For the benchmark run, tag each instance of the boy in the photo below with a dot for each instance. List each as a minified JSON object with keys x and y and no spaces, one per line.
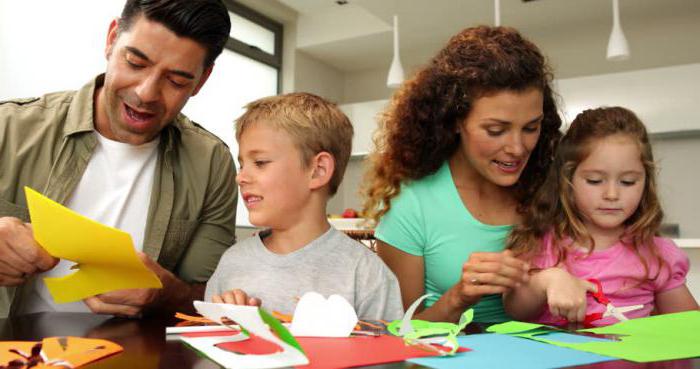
{"x":293,"y":153}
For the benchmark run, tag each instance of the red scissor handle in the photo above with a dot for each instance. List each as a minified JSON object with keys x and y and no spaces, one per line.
{"x":598,"y":295}
{"x":601,"y":298}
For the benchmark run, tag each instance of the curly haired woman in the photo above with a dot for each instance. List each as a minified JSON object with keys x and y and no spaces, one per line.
{"x":460,"y":152}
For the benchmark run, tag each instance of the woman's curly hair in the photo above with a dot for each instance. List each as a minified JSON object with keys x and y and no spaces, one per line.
{"x":417,"y":133}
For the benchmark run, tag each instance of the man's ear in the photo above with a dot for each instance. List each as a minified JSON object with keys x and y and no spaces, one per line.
{"x":205,"y":75}
{"x":323,"y":167}
{"x":112,"y":36}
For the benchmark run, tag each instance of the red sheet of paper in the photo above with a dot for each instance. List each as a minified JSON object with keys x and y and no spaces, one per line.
{"x":334,"y":352}
{"x":326,"y":353}
{"x":357,"y":351}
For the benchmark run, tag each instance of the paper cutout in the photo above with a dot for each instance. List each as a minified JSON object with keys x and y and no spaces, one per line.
{"x":532,"y":330}
{"x":254,"y":322}
{"x":316,"y":316}
{"x":55,"y":352}
{"x":406,"y":326}
{"x":414,"y":330}
{"x":105,"y":256}
{"x":655,"y":338}
{"x":496,"y":351}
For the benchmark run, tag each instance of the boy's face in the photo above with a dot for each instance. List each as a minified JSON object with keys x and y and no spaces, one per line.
{"x":274,"y":182}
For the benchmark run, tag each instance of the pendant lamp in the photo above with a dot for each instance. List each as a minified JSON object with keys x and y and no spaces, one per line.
{"x":395,"y":77}
{"x":618,"y":49}
{"x":497,"y":13}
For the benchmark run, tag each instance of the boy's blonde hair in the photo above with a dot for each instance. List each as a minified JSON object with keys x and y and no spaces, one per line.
{"x":315,"y":125}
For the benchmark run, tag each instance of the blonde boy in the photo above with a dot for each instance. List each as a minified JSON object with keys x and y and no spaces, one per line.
{"x":293,"y":153}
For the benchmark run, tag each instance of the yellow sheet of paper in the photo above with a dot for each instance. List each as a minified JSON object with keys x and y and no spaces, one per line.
{"x":105,"y":256}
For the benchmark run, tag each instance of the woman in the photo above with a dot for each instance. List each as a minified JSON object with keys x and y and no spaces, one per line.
{"x":460,"y":151}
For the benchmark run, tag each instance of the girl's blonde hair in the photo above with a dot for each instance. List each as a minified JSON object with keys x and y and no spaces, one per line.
{"x":554,"y":209}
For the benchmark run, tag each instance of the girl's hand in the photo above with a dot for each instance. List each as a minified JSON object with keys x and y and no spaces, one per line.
{"x":487,"y":273}
{"x":566,"y":294}
{"x":236,"y":297}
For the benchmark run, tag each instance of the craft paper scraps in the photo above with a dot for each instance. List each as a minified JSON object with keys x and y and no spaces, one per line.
{"x":496,"y":351}
{"x":105,"y":257}
{"x":56,"y":352}
{"x":279,"y":349}
{"x":655,"y":338}
{"x":421,"y":332}
{"x":316,"y":316}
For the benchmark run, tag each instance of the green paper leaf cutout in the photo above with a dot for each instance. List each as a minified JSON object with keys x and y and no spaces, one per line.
{"x":280,"y":330}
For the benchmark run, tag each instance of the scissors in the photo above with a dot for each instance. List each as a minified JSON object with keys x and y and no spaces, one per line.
{"x":610,"y":309}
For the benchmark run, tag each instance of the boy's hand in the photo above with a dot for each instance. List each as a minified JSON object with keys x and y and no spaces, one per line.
{"x":236,"y":297}
{"x":566,"y":294}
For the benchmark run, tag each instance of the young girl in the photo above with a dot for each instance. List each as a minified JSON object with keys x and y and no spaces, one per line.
{"x":595,"y":219}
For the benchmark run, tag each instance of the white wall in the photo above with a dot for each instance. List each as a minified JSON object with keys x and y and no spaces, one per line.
{"x":311,"y":75}
{"x":48,"y":46}
{"x":679,"y":181}
{"x":665,"y":99}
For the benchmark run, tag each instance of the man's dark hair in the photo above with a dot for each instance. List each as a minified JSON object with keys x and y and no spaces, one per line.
{"x":205,"y":21}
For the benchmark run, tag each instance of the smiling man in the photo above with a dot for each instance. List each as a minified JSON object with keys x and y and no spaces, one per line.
{"x":119,"y":151}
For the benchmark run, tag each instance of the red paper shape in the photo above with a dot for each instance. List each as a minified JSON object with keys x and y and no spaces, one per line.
{"x":254,"y":345}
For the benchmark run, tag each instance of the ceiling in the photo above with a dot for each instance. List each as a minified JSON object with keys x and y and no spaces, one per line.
{"x":572,"y":33}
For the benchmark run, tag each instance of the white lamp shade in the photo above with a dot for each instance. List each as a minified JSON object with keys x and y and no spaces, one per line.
{"x":395,"y":77}
{"x":618,"y":49}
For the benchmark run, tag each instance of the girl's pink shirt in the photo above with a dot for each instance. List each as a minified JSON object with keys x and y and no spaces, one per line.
{"x":619,"y":271}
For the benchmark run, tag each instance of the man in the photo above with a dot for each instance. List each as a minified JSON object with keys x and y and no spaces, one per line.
{"x":119,"y":151}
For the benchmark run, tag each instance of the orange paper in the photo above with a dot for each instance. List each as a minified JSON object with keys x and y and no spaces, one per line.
{"x":57,"y":351}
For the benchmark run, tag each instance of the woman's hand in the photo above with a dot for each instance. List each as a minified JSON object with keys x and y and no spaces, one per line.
{"x":566,"y":294}
{"x":487,"y":273}
{"x":236,"y":297}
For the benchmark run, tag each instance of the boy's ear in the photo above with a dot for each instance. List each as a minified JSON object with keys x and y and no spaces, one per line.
{"x":323,"y":166}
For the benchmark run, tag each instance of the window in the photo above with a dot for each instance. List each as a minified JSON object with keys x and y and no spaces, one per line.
{"x":248,"y":69}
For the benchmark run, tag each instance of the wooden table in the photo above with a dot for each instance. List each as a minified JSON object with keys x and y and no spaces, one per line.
{"x":146,"y":347}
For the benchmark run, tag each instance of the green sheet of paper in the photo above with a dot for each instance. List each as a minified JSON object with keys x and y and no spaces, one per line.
{"x":105,"y":256}
{"x":656,"y":338}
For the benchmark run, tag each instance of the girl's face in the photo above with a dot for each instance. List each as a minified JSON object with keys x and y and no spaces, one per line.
{"x":499,"y":133}
{"x":609,"y":184}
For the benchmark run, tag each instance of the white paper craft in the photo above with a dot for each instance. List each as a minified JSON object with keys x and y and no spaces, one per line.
{"x":249,"y":318}
{"x":315,"y":316}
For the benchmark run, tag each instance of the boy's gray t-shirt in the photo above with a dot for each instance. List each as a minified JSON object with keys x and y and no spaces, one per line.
{"x":331,"y":264}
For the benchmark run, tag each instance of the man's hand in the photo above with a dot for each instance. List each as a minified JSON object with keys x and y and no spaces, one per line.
{"x":134,"y":302}
{"x":20,"y":255}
